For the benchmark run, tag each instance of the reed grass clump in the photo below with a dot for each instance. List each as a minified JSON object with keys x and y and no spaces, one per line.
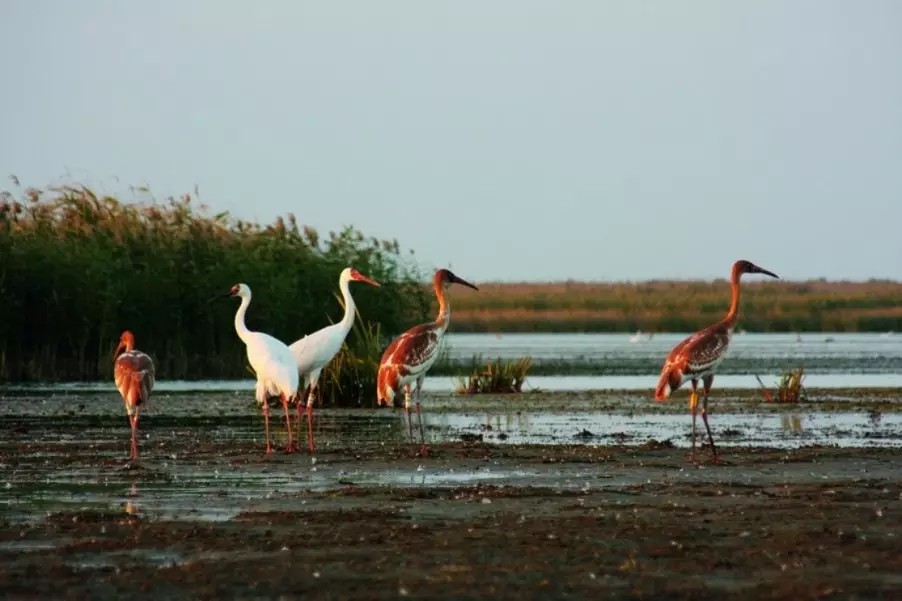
{"x":790,"y":388}
{"x":76,"y":268}
{"x":495,"y":377}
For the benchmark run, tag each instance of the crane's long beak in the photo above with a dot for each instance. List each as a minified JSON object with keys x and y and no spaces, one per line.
{"x":220,"y":295}
{"x":770,"y":273}
{"x":118,"y":350}
{"x":366,"y":280}
{"x":463,"y":282}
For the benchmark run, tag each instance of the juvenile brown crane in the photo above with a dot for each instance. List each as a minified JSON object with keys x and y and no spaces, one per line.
{"x":134,"y":376}
{"x":698,"y":356}
{"x":410,"y":355}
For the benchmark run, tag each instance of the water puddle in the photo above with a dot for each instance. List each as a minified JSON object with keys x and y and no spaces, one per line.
{"x":782,"y":430}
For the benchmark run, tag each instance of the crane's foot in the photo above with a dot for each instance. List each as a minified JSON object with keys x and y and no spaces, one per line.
{"x":268,"y":449}
{"x":424,"y":451}
{"x":291,"y":448}
{"x":311,"y":448}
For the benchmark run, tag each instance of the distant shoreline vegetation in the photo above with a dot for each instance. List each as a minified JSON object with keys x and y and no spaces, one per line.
{"x":678,"y":306}
{"x":77,"y":268}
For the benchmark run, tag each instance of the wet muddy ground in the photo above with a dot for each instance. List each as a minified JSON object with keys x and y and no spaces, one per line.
{"x":579,"y":496}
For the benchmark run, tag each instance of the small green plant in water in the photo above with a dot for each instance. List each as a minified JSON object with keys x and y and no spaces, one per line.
{"x":498,"y":377}
{"x":791,"y":389}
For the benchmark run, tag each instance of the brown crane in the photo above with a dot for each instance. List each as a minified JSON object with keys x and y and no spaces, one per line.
{"x":698,"y":356}
{"x":410,"y":355}
{"x":134,"y":376}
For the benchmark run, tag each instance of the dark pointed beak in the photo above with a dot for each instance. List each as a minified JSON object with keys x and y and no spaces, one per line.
{"x":220,"y":295}
{"x":464,"y":282}
{"x":770,"y":273}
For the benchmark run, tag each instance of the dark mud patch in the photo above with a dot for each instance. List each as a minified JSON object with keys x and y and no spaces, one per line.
{"x":688,"y":541}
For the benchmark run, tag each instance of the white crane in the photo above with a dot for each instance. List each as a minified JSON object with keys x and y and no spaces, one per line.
{"x":272,"y":363}
{"x":314,"y":351}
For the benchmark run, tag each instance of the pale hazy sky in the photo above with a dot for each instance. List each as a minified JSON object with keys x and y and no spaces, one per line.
{"x":510,"y":139}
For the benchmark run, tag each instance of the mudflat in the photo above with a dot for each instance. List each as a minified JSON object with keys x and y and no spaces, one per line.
{"x":206,"y":515}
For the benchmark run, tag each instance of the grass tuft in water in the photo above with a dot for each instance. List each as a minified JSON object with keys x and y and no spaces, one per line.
{"x":498,"y":377}
{"x":791,"y":389}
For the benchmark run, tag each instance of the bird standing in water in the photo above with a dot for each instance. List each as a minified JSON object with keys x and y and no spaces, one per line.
{"x":134,"y":376}
{"x":272,"y":363}
{"x":312,"y":353}
{"x":410,"y":355}
{"x":698,"y":356}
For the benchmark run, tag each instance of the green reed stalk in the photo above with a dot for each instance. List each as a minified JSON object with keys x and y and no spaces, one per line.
{"x":76,"y":269}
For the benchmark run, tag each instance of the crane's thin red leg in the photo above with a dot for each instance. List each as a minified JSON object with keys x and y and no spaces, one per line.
{"x":299,"y":407}
{"x":310,"y":424}
{"x":708,"y":380}
{"x":693,"y":404}
{"x":266,"y":425}
{"x":423,"y":450}
{"x":289,"y":448}
{"x":133,"y":419}
{"x":407,"y":409}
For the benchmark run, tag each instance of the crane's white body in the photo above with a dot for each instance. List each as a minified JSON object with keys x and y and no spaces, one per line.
{"x":270,"y":357}
{"x":314,"y":351}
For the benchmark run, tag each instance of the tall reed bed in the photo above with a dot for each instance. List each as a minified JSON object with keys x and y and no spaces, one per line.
{"x":77,"y":268}
{"x":659,"y":306}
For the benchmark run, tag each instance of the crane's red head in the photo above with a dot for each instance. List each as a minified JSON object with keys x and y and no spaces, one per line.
{"x":444,"y":278}
{"x":126,"y":343}
{"x":239,"y":290}
{"x":742,"y":266}
{"x":355,"y":276}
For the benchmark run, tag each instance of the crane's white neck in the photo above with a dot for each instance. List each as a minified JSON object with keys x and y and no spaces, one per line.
{"x":350,"y":307}
{"x":240,"y":326}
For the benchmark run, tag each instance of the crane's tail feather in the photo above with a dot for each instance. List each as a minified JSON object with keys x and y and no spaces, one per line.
{"x":668,"y":382}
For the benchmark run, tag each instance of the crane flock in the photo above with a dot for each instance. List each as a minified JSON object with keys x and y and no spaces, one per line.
{"x":280,"y":368}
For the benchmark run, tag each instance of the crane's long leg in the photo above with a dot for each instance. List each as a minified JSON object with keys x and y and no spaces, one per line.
{"x":310,"y":419}
{"x":407,"y":410}
{"x":266,"y":424}
{"x":289,"y":448}
{"x":133,"y":420}
{"x":423,"y":450}
{"x":708,"y":380}
{"x":300,"y":407}
{"x":693,"y":403}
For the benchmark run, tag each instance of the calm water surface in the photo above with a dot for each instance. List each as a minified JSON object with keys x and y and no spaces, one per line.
{"x":619,"y":346}
{"x":631,"y":362}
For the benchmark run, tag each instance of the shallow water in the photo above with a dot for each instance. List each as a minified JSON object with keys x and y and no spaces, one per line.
{"x":202,"y":455}
{"x":807,"y":346}
{"x":620,"y":355}
{"x":441,"y":384}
